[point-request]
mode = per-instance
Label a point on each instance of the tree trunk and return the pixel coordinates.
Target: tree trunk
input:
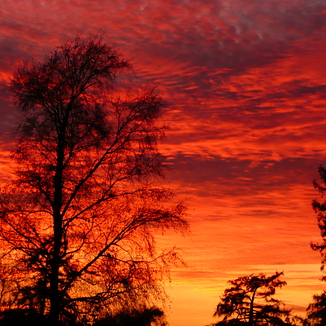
(54, 277)
(251, 309)
(55, 296)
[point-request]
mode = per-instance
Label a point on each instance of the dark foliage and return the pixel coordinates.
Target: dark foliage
(320, 210)
(316, 311)
(143, 317)
(26, 317)
(250, 302)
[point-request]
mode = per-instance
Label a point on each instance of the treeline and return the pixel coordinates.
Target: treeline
(141, 317)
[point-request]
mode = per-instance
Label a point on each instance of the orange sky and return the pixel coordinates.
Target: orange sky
(245, 84)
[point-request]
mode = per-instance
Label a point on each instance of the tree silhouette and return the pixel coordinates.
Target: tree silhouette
(85, 200)
(249, 302)
(320, 210)
(316, 311)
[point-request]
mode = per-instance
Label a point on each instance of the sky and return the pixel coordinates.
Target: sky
(244, 82)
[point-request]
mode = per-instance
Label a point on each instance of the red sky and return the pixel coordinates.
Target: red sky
(245, 84)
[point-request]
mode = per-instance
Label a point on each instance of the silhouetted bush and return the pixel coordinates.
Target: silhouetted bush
(143, 317)
(21, 317)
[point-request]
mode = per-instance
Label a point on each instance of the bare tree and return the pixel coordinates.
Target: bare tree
(85, 201)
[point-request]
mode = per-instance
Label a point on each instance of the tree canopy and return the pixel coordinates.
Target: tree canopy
(80, 214)
(249, 301)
